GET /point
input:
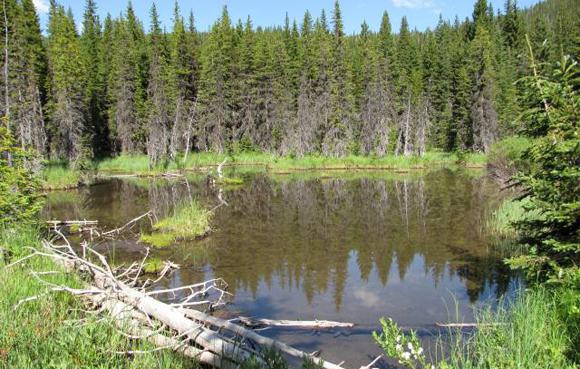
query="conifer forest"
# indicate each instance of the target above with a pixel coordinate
(177, 193)
(303, 87)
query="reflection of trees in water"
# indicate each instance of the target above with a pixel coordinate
(304, 232)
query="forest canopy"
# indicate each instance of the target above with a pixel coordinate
(304, 87)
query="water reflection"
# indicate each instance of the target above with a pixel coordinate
(351, 249)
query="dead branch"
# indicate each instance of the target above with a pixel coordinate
(129, 224)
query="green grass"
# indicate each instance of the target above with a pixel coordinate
(501, 222)
(529, 333)
(139, 164)
(48, 333)
(188, 221)
(60, 177)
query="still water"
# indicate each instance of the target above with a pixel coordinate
(345, 247)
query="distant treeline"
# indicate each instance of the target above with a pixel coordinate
(304, 87)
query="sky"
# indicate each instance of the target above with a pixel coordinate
(421, 14)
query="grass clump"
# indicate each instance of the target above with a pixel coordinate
(530, 333)
(45, 333)
(527, 333)
(153, 266)
(157, 239)
(501, 224)
(59, 176)
(188, 221)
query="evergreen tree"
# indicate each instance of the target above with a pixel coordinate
(70, 137)
(94, 83)
(483, 111)
(216, 86)
(340, 126)
(158, 94)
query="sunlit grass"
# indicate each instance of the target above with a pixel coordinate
(59, 177)
(188, 221)
(502, 221)
(528, 333)
(54, 331)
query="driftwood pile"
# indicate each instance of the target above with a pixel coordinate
(172, 319)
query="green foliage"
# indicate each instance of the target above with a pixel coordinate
(502, 221)
(406, 348)
(20, 199)
(551, 183)
(526, 333)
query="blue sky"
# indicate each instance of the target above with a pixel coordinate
(420, 13)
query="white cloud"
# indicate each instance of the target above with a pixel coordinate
(41, 6)
(413, 4)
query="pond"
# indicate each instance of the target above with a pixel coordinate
(349, 247)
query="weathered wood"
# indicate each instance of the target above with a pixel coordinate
(301, 324)
(253, 336)
(124, 319)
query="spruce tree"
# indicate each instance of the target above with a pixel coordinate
(70, 137)
(94, 83)
(158, 94)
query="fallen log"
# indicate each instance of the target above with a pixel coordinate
(104, 279)
(123, 317)
(120, 294)
(253, 336)
(300, 324)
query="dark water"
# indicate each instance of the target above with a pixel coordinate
(339, 247)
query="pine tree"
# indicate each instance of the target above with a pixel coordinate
(483, 110)
(94, 84)
(181, 83)
(70, 137)
(158, 95)
(339, 129)
(27, 71)
(216, 93)
(127, 85)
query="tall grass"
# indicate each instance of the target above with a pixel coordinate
(60, 177)
(54, 331)
(501, 224)
(526, 334)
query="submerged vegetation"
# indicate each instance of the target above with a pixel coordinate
(188, 221)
